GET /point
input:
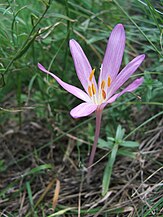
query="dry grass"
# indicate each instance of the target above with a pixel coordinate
(135, 185)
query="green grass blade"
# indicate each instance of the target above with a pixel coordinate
(153, 14)
(28, 187)
(144, 123)
(108, 170)
(38, 169)
(157, 204)
(129, 17)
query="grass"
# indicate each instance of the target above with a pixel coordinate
(41, 143)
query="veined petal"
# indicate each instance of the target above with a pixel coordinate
(125, 74)
(131, 87)
(82, 65)
(70, 88)
(113, 54)
(82, 110)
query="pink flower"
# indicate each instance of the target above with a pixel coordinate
(98, 95)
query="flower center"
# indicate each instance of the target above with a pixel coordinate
(98, 97)
(91, 87)
(103, 89)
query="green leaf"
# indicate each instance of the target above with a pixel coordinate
(104, 144)
(38, 169)
(129, 144)
(119, 133)
(111, 139)
(28, 187)
(108, 170)
(126, 153)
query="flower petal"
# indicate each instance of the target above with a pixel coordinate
(70, 88)
(113, 54)
(82, 110)
(131, 87)
(82, 65)
(125, 74)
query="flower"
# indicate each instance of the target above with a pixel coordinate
(97, 95)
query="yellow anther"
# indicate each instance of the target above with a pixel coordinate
(90, 91)
(109, 81)
(103, 94)
(102, 84)
(93, 89)
(92, 74)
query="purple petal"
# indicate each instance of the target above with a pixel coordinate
(133, 86)
(125, 74)
(82, 65)
(113, 54)
(70, 88)
(82, 110)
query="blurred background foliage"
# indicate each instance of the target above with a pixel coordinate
(39, 32)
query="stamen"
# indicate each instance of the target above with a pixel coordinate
(92, 74)
(103, 94)
(102, 84)
(109, 81)
(90, 91)
(93, 89)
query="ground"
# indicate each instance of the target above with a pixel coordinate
(33, 161)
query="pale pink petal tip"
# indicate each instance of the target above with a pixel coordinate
(119, 25)
(82, 65)
(130, 88)
(42, 68)
(70, 88)
(113, 54)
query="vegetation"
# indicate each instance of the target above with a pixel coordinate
(43, 150)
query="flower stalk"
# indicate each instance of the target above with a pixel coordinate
(97, 133)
